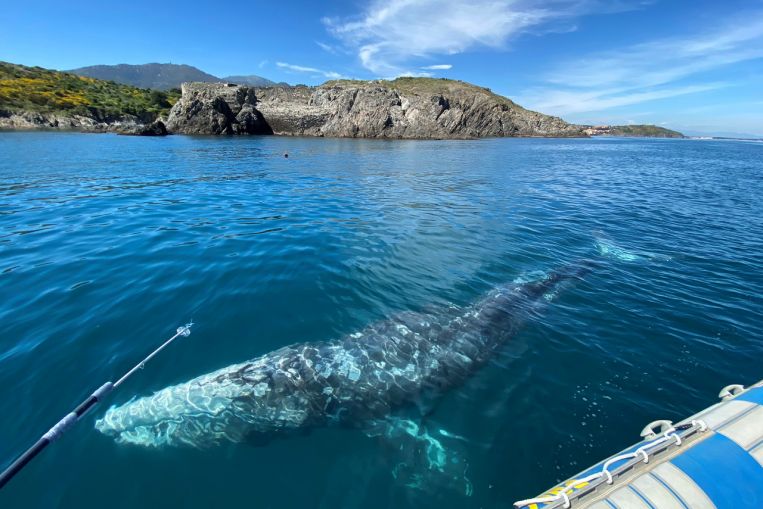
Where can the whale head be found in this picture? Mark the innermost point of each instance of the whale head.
(243, 402)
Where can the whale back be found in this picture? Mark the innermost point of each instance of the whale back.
(351, 381)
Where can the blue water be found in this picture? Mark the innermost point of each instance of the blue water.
(108, 243)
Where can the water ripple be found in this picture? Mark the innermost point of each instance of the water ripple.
(108, 243)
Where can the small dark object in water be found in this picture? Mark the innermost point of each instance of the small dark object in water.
(286, 155)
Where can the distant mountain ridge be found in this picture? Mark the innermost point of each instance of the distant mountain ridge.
(254, 81)
(162, 76)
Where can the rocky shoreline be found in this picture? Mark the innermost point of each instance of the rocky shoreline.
(34, 121)
(407, 108)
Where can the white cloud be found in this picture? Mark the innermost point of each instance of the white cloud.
(328, 48)
(392, 33)
(438, 67)
(311, 70)
(648, 71)
(563, 102)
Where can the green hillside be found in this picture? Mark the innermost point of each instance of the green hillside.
(644, 130)
(44, 91)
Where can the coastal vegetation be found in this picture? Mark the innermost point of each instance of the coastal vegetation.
(631, 130)
(34, 89)
(651, 131)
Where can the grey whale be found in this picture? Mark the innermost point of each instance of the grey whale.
(357, 381)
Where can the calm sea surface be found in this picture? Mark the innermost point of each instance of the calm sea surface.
(108, 243)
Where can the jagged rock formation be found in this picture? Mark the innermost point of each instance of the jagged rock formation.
(403, 108)
(210, 108)
(156, 128)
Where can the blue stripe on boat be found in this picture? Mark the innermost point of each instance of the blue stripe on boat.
(729, 476)
(641, 496)
(670, 489)
(753, 396)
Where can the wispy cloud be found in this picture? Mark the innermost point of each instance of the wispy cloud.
(437, 67)
(648, 71)
(391, 34)
(310, 70)
(328, 48)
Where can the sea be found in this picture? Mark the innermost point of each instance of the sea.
(109, 243)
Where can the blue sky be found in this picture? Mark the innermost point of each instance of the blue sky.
(690, 65)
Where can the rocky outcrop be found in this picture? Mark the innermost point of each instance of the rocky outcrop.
(633, 130)
(403, 108)
(156, 128)
(207, 108)
(27, 120)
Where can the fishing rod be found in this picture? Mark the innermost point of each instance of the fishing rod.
(72, 417)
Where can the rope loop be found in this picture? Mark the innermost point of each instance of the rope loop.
(700, 423)
(669, 434)
(674, 435)
(566, 499)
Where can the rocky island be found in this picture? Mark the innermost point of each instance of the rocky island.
(403, 108)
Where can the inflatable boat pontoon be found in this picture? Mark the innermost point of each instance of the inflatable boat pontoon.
(712, 460)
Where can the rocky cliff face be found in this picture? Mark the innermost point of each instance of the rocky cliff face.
(403, 108)
(211, 108)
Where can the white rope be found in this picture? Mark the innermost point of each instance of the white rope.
(641, 451)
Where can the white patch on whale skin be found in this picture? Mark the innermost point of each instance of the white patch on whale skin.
(260, 389)
(402, 329)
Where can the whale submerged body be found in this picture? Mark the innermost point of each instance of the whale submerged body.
(357, 381)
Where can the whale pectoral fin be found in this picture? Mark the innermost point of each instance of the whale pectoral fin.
(424, 458)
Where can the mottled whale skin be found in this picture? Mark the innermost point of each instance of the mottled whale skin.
(356, 381)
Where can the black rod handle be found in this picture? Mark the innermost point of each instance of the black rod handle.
(22, 460)
(54, 433)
